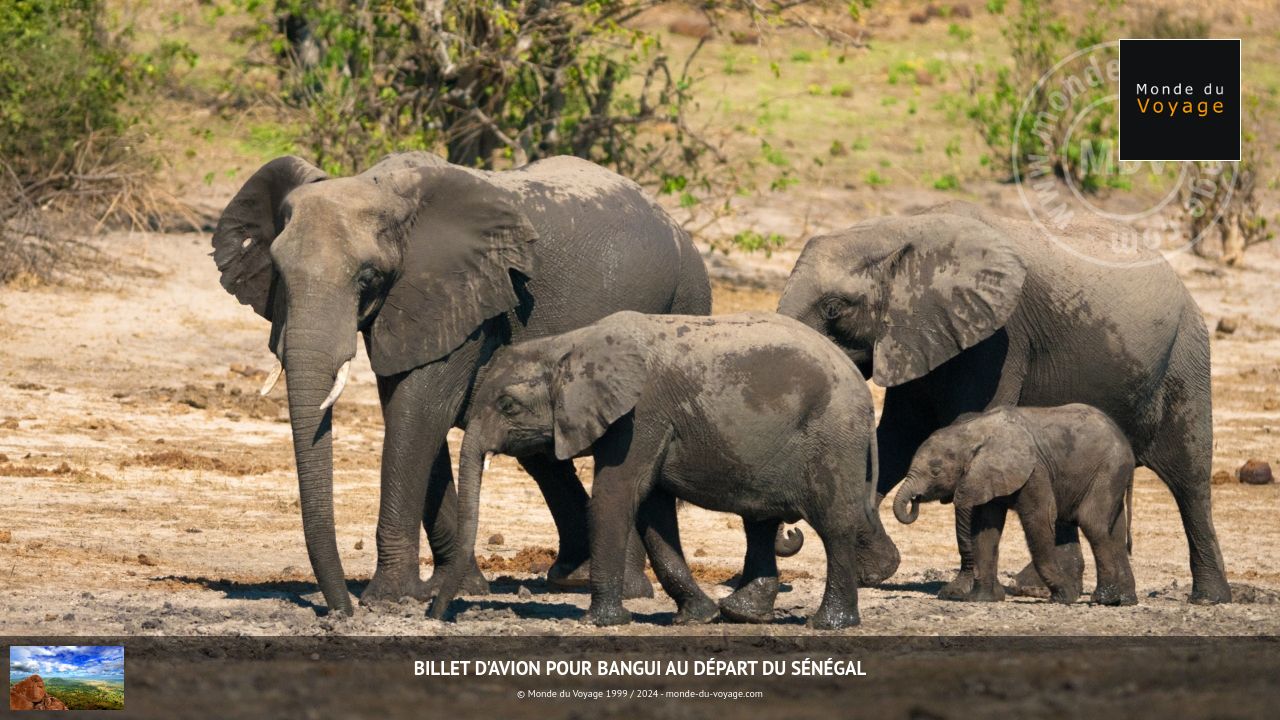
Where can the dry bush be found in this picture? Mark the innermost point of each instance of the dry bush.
(71, 157)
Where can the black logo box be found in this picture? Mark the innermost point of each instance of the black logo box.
(1180, 65)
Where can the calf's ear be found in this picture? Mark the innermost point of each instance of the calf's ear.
(1002, 464)
(596, 382)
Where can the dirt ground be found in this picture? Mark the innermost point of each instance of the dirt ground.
(147, 489)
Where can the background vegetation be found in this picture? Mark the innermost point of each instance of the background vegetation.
(112, 110)
(87, 694)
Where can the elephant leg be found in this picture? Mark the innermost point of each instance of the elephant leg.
(661, 534)
(626, 460)
(961, 586)
(1070, 557)
(1037, 512)
(839, 608)
(442, 502)
(419, 408)
(752, 602)
(988, 524)
(1186, 471)
(1108, 538)
(567, 501)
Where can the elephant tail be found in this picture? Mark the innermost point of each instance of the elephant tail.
(1128, 527)
(788, 542)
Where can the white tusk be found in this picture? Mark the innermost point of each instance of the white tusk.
(339, 383)
(272, 379)
(487, 457)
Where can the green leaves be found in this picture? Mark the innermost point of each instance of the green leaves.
(1002, 97)
(63, 78)
(510, 81)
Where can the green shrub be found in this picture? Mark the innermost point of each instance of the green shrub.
(1038, 39)
(62, 77)
(947, 182)
(68, 151)
(482, 83)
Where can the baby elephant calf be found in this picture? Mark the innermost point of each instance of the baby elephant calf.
(754, 414)
(1060, 466)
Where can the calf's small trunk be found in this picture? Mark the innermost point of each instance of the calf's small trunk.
(471, 462)
(906, 496)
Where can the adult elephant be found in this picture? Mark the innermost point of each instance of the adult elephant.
(956, 310)
(436, 265)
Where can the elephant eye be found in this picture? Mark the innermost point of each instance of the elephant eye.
(508, 405)
(833, 308)
(368, 278)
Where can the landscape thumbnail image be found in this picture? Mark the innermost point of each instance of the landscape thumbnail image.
(66, 677)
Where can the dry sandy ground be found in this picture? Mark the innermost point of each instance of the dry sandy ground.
(146, 489)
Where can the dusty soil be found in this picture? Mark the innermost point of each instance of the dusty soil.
(147, 489)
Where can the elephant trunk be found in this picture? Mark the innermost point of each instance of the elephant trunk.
(787, 543)
(471, 466)
(907, 495)
(313, 452)
(314, 359)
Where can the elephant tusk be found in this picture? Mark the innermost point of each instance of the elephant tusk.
(272, 378)
(487, 457)
(339, 383)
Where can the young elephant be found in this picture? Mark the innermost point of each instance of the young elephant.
(753, 414)
(1068, 465)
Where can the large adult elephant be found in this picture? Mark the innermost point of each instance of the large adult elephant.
(436, 265)
(956, 310)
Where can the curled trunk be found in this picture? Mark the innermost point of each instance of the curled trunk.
(470, 472)
(786, 544)
(907, 495)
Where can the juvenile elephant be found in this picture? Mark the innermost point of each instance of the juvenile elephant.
(436, 265)
(1065, 466)
(753, 414)
(956, 310)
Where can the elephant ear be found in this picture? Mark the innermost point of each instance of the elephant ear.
(953, 282)
(594, 384)
(242, 240)
(466, 249)
(1002, 464)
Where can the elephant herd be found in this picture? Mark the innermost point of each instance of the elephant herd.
(555, 311)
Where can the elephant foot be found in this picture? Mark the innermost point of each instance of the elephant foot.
(1210, 593)
(607, 615)
(877, 564)
(1111, 595)
(1027, 583)
(568, 575)
(986, 593)
(959, 588)
(829, 619)
(1064, 596)
(698, 610)
(573, 576)
(751, 603)
(385, 587)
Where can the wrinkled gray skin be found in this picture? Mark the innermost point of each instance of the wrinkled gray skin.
(753, 414)
(1063, 468)
(956, 310)
(437, 265)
